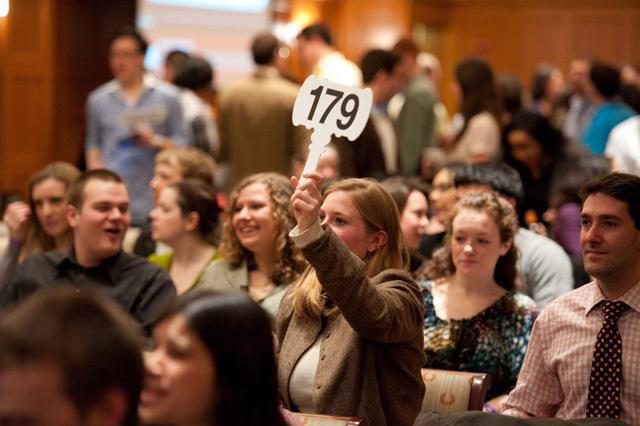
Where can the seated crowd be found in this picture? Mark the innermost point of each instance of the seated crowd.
(510, 246)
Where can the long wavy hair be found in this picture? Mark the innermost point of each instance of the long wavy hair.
(289, 261)
(380, 213)
(37, 239)
(505, 273)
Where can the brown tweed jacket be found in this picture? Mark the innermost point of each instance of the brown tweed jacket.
(371, 353)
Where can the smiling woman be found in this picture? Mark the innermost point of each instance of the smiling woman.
(41, 224)
(258, 256)
(474, 320)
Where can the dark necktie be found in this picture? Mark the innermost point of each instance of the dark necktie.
(606, 370)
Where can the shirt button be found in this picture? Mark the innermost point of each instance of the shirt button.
(322, 357)
(318, 385)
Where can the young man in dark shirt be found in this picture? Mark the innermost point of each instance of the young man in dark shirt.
(98, 213)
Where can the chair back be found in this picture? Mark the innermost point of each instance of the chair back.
(450, 392)
(324, 420)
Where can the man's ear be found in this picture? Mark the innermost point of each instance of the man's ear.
(110, 410)
(504, 247)
(379, 239)
(72, 215)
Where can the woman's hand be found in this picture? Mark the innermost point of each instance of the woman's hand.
(16, 216)
(306, 199)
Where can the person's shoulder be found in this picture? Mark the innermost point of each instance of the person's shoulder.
(48, 258)
(526, 240)
(521, 303)
(163, 260)
(573, 300)
(103, 91)
(130, 263)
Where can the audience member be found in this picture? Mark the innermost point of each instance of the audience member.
(174, 60)
(478, 264)
(173, 165)
(256, 131)
(544, 267)
(316, 52)
(195, 76)
(546, 88)
(185, 219)
(349, 331)
(228, 376)
(69, 358)
(41, 224)
(630, 74)
(415, 122)
(131, 118)
(478, 137)
(375, 152)
(98, 213)
(603, 90)
(442, 197)
(432, 69)
(582, 357)
(257, 254)
(580, 107)
(414, 208)
(543, 158)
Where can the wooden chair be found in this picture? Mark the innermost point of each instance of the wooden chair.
(324, 420)
(450, 392)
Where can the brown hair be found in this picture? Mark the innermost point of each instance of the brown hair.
(76, 190)
(380, 213)
(194, 196)
(289, 260)
(37, 240)
(86, 335)
(193, 163)
(499, 209)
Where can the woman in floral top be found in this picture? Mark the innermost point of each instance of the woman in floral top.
(474, 320)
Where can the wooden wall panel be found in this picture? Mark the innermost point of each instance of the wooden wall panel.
(52, 54)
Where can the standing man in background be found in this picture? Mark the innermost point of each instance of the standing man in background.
(130, 118)
(316, 52)
(256, 132)
(415, 120)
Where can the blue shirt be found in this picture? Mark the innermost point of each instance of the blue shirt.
(111, 123)
(605, 118)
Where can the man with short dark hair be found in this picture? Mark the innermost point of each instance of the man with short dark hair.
(317, 53)
(582, 359)
(602, 90)
(256, 132)
(130, 118)
(69, 358)
(98, 213)
(375, 152)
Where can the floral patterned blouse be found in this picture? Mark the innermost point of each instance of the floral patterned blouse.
(493, 341)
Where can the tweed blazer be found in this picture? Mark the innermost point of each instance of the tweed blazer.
(371, 352)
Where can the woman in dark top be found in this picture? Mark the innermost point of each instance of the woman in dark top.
(474, 320)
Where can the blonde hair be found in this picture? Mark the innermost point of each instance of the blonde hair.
(289, 260)
(193, 163)
(380, 213)
(37, 239)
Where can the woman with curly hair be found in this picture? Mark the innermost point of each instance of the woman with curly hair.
(257, 254)
(474, 320)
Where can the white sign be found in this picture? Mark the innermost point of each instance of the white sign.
(330, 109)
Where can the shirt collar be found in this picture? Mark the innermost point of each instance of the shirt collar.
(149, 82)
(631, 298)
(111, 265)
